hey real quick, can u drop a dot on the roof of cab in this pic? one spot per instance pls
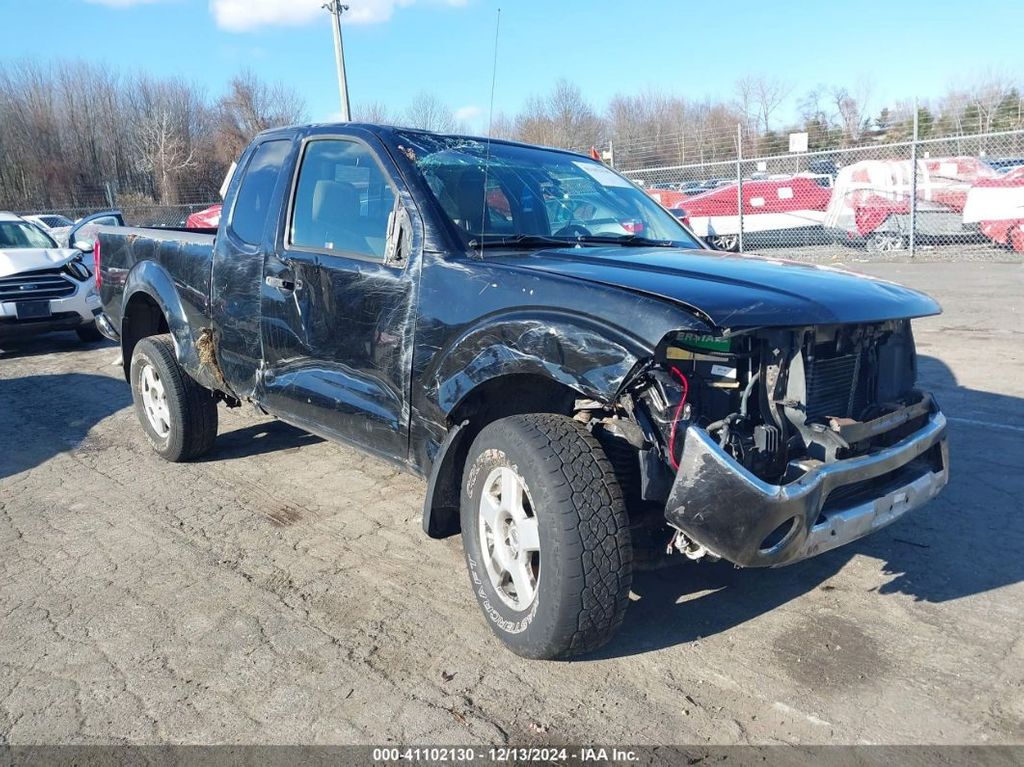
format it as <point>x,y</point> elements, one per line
<point>390,131</point>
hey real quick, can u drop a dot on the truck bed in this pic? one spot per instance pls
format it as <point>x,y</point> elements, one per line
<point>178,260</point>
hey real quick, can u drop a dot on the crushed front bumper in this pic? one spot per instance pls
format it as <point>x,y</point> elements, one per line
<point>732,513</point>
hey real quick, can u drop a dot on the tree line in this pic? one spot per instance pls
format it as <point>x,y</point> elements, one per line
<point>651,128</point>
<point>78,135</point>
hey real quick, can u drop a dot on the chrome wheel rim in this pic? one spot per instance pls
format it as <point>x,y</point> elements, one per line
<point>887,242</point>
<point>727,242</point>
<point>509,538</point>
<point>154,400</point>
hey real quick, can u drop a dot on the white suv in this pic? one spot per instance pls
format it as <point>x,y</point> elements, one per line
<point>44,287</point>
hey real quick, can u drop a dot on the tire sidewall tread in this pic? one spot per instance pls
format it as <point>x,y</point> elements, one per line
<point>193,409</point>
<point>585,555</point>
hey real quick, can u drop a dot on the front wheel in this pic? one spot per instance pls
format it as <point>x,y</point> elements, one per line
<point>178,415</point>
<point>730,243</point>
<point>546,536</point>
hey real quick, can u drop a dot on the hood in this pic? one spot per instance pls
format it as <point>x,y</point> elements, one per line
<point>735,291</point>
<point>17,260</point>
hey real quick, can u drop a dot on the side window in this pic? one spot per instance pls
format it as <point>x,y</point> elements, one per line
<point>252,203</point>
<point>342,201</point>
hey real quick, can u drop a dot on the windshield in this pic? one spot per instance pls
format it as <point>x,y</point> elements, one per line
<point>508,195</point>
<point>19,234</point>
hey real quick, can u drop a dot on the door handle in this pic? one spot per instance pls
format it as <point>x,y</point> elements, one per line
<point>285,286</point>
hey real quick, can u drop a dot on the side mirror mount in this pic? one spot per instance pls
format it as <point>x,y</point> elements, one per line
<point>86,246</point>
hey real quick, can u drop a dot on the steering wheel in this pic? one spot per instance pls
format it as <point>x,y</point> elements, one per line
<point>573,230</point>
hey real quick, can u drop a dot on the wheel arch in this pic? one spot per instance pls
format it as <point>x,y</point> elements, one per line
<point>529,361</point>
<point>494,399</point>
<point>152,306</point>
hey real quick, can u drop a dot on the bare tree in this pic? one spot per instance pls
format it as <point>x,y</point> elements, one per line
<point>760,97</point>
<point>169,120</point>
<point>250,107</point>
<point>563,118</point>
<point>428,112</point>
<point>372,112</point>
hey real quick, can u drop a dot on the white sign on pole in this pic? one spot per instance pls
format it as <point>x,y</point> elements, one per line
<point>797,142</point>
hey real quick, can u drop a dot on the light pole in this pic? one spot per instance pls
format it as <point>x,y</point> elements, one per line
<point>335,8</point>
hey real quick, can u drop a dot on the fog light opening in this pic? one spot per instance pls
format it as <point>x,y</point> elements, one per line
<point>778,537</point>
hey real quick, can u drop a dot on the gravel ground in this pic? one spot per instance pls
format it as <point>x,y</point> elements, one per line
<point>281,591</point>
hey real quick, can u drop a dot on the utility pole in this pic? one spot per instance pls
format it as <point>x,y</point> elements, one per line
<point>335,8</point>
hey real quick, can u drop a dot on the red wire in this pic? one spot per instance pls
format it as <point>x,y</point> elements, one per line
<point>675,418</point>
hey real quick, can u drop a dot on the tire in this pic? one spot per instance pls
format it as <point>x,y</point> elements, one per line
<point>178,415</point>
<point>581,565</point>
<point>727,243</point>
<point>89,333</point>
<point>885,242</point>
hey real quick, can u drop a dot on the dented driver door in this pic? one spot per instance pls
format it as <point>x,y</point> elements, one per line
<point>337,302</point>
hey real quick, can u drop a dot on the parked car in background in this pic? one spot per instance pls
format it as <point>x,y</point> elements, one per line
<point>208,218</point>
<point>776,211</point>
<point>49,221</point>
<point>996,207</point>
<point>83,231</point>
<point>670,198</point>
<point>485,315</point>
<point>1005,164</point>
<point>44,287</point>
<point>870,205</point>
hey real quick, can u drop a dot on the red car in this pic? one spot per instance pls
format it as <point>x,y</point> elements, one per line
<point>208,218</point>
<point>996,206</point>
<point>788,204</point>
<point>871,202</point>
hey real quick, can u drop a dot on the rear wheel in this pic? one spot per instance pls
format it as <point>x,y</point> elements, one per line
<point>546,536</point>
<point>178,415</point>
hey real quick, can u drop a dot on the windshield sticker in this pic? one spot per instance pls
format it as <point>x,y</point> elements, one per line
<point>601,174</point>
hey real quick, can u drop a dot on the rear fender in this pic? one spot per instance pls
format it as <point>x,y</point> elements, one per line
<point>149,278</point>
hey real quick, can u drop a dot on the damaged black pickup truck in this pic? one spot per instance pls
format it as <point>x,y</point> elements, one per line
<point>572,371</point>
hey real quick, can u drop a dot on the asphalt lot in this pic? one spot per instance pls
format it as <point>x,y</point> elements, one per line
<point>281,590</point>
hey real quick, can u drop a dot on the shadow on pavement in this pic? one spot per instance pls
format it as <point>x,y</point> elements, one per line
<point>258,439</point>
<point>50,343</point>
<point>44,415</point>
<point>967,541</point>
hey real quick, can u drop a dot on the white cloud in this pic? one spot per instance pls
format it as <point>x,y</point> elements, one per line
<point>468,113</point>
<point>245,15</point>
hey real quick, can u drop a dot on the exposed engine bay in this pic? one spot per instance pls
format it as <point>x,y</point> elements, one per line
<point>781,403</point>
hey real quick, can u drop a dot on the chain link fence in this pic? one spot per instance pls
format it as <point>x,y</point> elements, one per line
<point>951,197</point>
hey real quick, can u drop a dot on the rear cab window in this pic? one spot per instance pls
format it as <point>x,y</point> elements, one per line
<point>253,203</point>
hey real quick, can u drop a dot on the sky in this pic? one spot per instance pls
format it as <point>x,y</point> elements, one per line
<point>398,48</point>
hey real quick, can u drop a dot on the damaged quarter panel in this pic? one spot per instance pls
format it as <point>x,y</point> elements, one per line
<point>174,274</point>
<point>481,320</point>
